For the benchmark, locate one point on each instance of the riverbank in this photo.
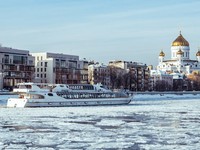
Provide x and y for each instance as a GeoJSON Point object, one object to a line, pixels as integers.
{"type": "Point", "coordinates": [166, 92]}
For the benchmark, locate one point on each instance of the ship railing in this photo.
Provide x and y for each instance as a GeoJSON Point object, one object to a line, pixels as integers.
{"type": "Point", "coordinates": [81, 95]}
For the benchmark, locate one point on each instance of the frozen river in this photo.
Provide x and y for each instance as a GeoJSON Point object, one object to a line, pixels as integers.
{"type": "Point", "coordinates": [162, 123]}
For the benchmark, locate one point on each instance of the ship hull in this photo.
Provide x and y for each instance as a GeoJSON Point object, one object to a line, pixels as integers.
{"type": "Point", "coordinates": [15, 102]}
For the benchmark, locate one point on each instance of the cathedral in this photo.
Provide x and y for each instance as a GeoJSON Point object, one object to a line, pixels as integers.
{"type": "Point", "coordinates": [180, 61]}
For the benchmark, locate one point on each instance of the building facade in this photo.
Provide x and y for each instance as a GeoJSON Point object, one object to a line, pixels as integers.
{"type": "Point", "coordinates": [16, 66]}
{"type": "Point", "coordinates": [99, 73]}
{"type": "Point", "coordinates": [180, 61]}
{"type": "Point", "coordinates": [136, 73]}
{"type": "Point", "coordinates": [59, 68]}
{"type": "Point", "coordinates": [160, 81]}
{"type": "Point", "coordinates": [84, 71]}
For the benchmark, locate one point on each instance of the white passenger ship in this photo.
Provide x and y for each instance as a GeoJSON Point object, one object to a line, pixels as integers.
{"type": "Point", "coordinates": [61, 95]}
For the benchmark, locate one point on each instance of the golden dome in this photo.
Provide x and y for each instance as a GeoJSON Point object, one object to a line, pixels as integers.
{"type": "Point", "coordinates": [162, 54]}
{"type": "Point", "coordinates": [180, 52]}
{"type": "Point", "coordinates": [198, 53]}
{"type": "Point", "coordinates": [180, 41]}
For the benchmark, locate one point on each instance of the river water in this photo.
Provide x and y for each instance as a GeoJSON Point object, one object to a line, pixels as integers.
{"type": "Point", "coordinates": [143, 124]}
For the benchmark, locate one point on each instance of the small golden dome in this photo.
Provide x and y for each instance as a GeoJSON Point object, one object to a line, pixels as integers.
{"type": "Point", "coordinates": [180, 52]}
{"type": "Point", "coordinates": [198, 53]}
{"type": "Point", "coordinates": [162, 54]}
{"type": "Point", "coordinates": [180, 41]}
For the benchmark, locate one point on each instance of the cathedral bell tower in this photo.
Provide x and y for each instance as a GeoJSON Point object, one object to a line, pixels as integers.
{"type": "Point", "coordinates": [161, 56]}
{"type": "Point", "coordinates": [198, 55]}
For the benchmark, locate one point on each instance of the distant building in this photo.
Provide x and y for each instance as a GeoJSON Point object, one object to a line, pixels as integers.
{"type": "Point", "coordinates": [99, 73]}
{"type": "Point", "coordinates": [59, 68]}
{"type": "Point", "coordinates": [15, 66]}
{"type": "Point", "coordinates": [160, 80]}
{"type": "Point", "coordinates": [137, 74]}
{"type": "Point", "coordinates": [180, 61]}
{"type": "Point", "coordinates": [84, 71]}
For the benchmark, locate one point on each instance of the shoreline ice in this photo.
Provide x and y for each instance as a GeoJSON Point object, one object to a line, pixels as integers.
{"type": "Point", "coordinates": [155, 122]}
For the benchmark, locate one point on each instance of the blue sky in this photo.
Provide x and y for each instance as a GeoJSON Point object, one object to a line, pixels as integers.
{"type": "Point", "coordinates": [100, 30]}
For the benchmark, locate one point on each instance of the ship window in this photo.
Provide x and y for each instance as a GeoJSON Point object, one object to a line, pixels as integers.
{"type": "Point", "coordinates": [50, 94]}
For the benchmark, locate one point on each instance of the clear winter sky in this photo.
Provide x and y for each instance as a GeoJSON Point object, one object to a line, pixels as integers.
{"type": "Point", "coordinates": [101, 30]}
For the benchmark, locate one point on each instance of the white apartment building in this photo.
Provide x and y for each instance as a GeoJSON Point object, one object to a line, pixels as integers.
{"type": "Point", "coordinates": [59, 68]}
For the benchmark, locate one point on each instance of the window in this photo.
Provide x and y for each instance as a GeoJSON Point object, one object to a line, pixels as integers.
{"type": "Point", "coordinates": [37, 75]}
{"type": "Point", "coordinates": [41, 69]}
{"type": "Point", "coordinates": [19, 59]}
{"type": "Point", "coordinates": [63, 62]}
{"type": "Point", "coordinates": [45, 64]}
{"type": "Point", "coordinates": [37, 69]}
{"type": "Point", "coordinates": [45, 69]}
{"type": "Point", "coordinates": [41, 75]}
{"type": "Point", "coordinates": [57, 63]}
{"type": "Point", "coordinates": [41, 63]}
{"type": "Point", "coordinates": [30, 62]}
{"type": "Point", "coordinates": [45, 75]}
{"type": "Point", "coordinates": [41, 57]}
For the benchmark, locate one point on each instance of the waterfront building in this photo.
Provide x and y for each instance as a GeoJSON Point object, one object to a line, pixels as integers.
{"type": "Point", "coordinates": [99, 73]}
{"type": "Point", "coordinates": [160, 80]}
{"type": "Point", "coordinates": [180, 61]}
{"type": "Point", "coordinates": [84, 71]}
{"type": "Point", "coordinates": [16, 66]}
{"type": "Point", "coordinates": [137, 74]}
{"type": "Point", "coordinates": [59, 68]}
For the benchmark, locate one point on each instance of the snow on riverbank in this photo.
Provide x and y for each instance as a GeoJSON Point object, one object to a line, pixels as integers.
{"type": "Point", "coordinates": [140, 97]}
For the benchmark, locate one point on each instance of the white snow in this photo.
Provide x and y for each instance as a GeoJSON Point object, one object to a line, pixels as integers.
{"type": "Point", "coordinates": [149, 122]}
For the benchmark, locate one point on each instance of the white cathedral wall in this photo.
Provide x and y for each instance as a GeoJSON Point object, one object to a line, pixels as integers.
{"type": "Point", "coordinates": [185, 49]}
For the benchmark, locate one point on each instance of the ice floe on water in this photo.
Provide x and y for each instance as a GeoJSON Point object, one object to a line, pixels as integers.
{"type": "Point", "coordinates": [149, 122]}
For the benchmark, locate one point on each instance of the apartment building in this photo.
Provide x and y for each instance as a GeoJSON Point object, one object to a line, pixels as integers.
{"type": "Point", "coordinates": [15, 66]}
{"type": "Point", "coordinates": [137, 74]}
{"type": "Point", "coordinates": [84, 71]}
{"type": "Point", "coordinates": [160, 80]}
{"type": "Point", "coordinates": [99, 73]}
{"type": "Point", "coordinates": [59, 68]}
